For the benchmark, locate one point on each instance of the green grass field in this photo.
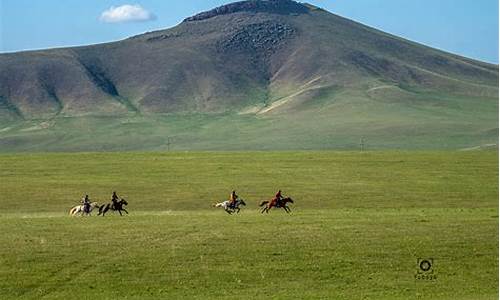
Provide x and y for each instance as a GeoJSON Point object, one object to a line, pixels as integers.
{"type": "Point", "coordinates": [360, 222]}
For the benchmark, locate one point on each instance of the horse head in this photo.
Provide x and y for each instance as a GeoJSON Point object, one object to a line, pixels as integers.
{"type": "Point", "coordinates": [123, 202]}
{"type": "Point", "coordinates": [242, 202]}
{"type": "Point", "coordinates": [288, 199]}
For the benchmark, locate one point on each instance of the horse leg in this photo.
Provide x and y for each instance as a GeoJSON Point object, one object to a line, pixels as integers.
{"type": "Point", "coordinates": [125, 210]}
{"type": "Point", "coordinates": [120, 212]}
{"type": "Point", "coordinates": [105, 210]}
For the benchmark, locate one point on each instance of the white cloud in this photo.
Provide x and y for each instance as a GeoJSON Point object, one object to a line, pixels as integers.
{"type": "Point", "coordinates": [126, 13]}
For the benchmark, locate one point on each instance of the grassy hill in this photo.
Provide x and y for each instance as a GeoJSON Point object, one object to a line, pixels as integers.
{"type": "Point", "coordinates": [360, 222]}
{"type": "Point", "coordinates": [453, 123]}
{"type": "Point", "coordinates": [290, 75]}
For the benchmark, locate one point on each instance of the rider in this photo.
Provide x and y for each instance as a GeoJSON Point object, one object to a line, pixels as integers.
{"type": "Point", "coordinates": [278, 197]}
{"type": "Point", "coordinates": [86, 204]}
{"type": "Point", "coordinates": [232, 199]}
{"type": "Point", "coordinates": [114, 200]}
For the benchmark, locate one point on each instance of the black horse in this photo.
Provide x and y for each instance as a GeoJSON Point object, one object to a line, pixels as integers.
{"type": "Point", "coordinates": [116, 206]}
{"type": "Point", "coordinates": [236, 207]}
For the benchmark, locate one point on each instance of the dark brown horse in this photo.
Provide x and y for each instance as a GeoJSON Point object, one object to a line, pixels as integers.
{"type": "Point", "coordinates": [274, 203]}
{"type": "Point", "coordinates": [117, 206]}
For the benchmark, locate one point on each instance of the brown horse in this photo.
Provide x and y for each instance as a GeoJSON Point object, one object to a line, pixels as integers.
{"type": "Point", "coordinates": [274, 202]}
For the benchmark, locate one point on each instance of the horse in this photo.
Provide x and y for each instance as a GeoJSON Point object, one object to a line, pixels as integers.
{"type": "Point", "coordinates": [79, 209]}
{"type": "Point", "coordinates": [117, 206]}
{"type": "Point", "coordinates": [227, 206]}
{"type": "Point", "coordinates": [273, 203]}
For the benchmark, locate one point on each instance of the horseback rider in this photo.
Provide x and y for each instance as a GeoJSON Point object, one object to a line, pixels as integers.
{"type": "Point", "coordinates": [114, 200]}
{"type": "Point", "coordinates": [86, 204]}
{"type": "Point", "coordinates": [232, 199]}
{"type": "Point", "coordinates": [278, 197]}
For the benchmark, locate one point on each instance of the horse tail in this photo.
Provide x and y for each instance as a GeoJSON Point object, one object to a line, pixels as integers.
{"type": "Point", "coordinates": [264, 203]}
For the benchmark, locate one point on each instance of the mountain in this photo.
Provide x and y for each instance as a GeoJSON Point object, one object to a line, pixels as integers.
{"type": "Point", "coordinates": [258, 74]}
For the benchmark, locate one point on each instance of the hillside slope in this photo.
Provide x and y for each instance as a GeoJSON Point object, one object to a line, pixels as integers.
{"type": "Point", "coordinates": [255, 62]}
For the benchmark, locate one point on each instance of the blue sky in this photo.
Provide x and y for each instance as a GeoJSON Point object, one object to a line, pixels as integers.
{"type": "Point", "coordinates": [465, 27]}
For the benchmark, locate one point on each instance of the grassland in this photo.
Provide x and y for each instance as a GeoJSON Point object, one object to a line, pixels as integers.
{"type": "Point", "coordinates": [385, 118]}
{"type": "Point", "coordinates": [360, 222]}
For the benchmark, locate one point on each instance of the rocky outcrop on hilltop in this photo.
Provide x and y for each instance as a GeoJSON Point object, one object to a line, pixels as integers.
{"type": "Point", "coordinates": [262, 38]}
{"type": "Point", "coordinates": [270, 6]}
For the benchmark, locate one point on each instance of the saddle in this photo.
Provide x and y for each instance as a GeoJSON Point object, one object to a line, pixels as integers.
{"type": "Point", "coordinates": [114, 205]}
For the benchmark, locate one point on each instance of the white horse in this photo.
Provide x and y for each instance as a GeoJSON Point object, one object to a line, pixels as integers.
{"type": "Point", "coordinates": [227, 207]}
{"type": "Point", "coordinates": [79, 209]}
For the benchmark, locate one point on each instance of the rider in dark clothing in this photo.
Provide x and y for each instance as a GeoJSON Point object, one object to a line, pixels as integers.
{"type": "Point", "coordinates": [114, 200]}
{"type": "Point", "coordinates": [86, 204]}
{"type": "Point", "coordinates": [278, 198]}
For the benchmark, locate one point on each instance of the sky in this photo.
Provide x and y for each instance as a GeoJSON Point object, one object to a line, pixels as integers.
{"type": "Point", "coordinates": [465, 27]}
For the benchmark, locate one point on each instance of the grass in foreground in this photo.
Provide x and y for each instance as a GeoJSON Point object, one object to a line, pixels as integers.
{"type": "Point", "coordinates": [329, 254]}
{"type": "Point", "coordinates": [360, 222]}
